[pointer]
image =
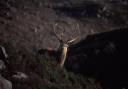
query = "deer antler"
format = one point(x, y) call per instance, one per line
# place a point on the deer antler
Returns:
point(54, 28)
point(72, 40)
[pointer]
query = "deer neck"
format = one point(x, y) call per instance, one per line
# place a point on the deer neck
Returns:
point(63, 55)
point(65, 49)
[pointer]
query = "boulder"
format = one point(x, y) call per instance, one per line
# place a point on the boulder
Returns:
point(4, 83)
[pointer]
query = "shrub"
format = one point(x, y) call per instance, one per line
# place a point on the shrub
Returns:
point(44, 73)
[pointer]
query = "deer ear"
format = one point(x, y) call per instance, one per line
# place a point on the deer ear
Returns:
point(69, 42)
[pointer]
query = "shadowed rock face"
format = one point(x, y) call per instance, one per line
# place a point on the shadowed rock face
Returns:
point(4, 83)
point(103, 56)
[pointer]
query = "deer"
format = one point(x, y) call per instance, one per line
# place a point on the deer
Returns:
point(64, 45)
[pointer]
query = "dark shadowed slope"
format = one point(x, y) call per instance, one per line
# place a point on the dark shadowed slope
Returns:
point(103, 56)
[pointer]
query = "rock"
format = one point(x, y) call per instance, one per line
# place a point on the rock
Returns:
point(109, 48)
point(20, 75)
point(4, 83)
point(3, 53)
point(2, 65)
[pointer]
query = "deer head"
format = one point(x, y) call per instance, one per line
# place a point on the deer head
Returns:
point(65, 44)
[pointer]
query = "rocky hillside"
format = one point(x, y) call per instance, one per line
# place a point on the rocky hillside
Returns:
point(30, 23)
point(26, 26)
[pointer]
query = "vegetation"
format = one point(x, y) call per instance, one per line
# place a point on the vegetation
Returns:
point(43, 72)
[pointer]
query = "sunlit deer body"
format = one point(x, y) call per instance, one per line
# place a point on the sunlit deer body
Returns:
point(64, 46)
